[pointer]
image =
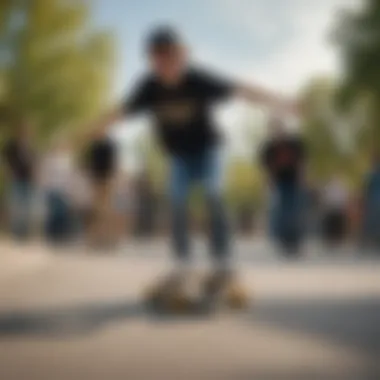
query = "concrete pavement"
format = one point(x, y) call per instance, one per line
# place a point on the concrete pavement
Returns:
point(72, 315)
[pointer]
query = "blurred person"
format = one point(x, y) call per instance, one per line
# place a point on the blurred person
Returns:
point(355, 215)
point(102, 167)
point(371, 206)
point(81, 196)
point(313, 209)
point(123, 203)
point(124, 190)
point(57, 181)
point(145, 206)
point(283, 158)
point(335, 200)
point(179, 94)
point(20, 161)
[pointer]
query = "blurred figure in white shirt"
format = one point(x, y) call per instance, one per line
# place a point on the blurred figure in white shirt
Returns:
point(335, 200)
point(56, 179)
point(81, 196)
point(123, 204)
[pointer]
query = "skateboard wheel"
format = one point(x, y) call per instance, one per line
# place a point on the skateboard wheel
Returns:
point(173, 303)
point(151, 294)
point(177, 303)
point(237, 299)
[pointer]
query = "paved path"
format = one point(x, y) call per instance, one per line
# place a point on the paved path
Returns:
point(78, 316)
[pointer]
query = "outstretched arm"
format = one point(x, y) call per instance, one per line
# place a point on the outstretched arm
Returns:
point(137, 101)
point(99, 127)
point(104, 122)
point(258, 95)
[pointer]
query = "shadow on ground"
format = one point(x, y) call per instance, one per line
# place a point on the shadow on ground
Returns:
point(84, 319)
point(353, 322)
point(66, 321)
point(369, 374)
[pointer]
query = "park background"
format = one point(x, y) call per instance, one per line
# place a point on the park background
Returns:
point(63, 63)
point(75, 313)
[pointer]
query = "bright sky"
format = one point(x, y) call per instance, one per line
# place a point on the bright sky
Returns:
point(280, 44)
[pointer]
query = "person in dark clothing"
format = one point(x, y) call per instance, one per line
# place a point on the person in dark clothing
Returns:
point(145, 206)
point(179, 95)
point(371, 206)
point(20, 164)
point(101, 167)
point(283, 158)
point(102, 159)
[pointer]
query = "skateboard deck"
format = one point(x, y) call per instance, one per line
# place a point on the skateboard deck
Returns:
point(195, 300)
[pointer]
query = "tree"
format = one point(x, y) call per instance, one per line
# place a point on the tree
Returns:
point(54, 69)
point(5, 6)
point(358, 37)
point(323, 152)
point(245, 183)
point(331, 134)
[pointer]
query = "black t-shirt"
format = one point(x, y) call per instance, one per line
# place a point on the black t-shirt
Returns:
point(182, 113)
point(20, 159)
point(102, 158)
point(284, 158)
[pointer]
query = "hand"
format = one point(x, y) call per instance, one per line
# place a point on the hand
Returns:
point(291, 108)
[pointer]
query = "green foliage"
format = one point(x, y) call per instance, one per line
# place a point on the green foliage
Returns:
point(244, 183)
point(358, 37)
point(324, 156)
point(327, 155)
point(155, 162)
point(55, 70)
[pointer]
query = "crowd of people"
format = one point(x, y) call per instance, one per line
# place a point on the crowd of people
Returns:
point(330, 211)
point(65, 195)
point(87, 198)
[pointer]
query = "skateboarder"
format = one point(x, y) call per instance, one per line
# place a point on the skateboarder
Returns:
point(179, 95)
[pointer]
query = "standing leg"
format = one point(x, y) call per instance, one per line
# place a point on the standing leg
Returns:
point(170, 292)
point(223, 284)
point(20, 209)
point(179, 190)
point(290, 217)
point(50, 221)
point(212, 178)
point(99, 229)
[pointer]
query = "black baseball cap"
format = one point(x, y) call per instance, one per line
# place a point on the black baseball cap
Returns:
point(162, 39)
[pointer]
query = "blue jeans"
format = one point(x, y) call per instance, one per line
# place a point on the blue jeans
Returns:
point(21, 196)
point(286, 222)
point(371, 220)
point(205, 168)
point(58, 226)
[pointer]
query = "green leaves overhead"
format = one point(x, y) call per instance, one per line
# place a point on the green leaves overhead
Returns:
point(57, 69)
point(358, 37)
